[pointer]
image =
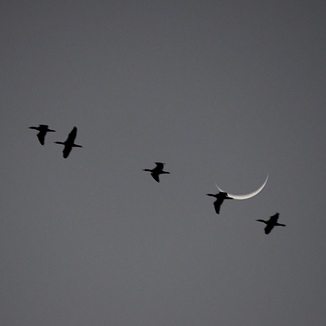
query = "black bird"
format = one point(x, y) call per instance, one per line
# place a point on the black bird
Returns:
point(157, 171)
point(219, 200)
point(42, 130)
point(271, 223)
point(69, 143)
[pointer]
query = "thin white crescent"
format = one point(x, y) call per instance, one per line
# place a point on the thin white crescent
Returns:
point(242, 197)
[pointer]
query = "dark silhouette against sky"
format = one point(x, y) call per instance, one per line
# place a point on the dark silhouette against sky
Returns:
point(42, 131)
point(157, 171)
point(224, 92)
point(69, 143)
point(224, 195)
point(271, 223)
point(219, 200)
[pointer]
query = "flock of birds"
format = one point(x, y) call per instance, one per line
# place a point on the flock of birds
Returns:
point(69, 143)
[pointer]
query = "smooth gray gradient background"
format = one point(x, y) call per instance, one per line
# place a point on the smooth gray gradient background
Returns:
point(221, 91)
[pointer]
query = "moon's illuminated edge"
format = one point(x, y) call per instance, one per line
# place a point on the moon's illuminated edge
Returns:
point(247, 196)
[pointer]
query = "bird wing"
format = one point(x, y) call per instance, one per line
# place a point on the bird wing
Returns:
point(155, 176)
point(72, 135)
point(217, 204)
point(41, 136)
point(268, 228)
point(66, 151)
point(159, 166)
point(274, 218)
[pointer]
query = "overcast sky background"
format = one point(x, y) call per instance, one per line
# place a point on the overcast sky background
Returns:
point(221, 91)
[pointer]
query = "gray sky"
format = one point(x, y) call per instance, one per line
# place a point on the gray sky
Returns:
point(221, 91)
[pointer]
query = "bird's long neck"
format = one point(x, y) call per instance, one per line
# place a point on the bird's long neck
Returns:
point(262, 221)
point(60, 142)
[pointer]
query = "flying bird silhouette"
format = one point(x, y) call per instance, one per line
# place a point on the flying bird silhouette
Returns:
point(271, 223)
point(42, 131)
point(155, 172)
point(219, 200)
point(226, 195)
point(69, 143)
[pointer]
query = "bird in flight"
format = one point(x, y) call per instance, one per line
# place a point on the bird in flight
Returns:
point(42, 131)
point(69, 143)
point(155, 172)
point(271, 223)
point(226, 195)
point(219, 200)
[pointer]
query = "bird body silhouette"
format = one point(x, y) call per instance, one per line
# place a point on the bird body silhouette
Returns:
point(271, 223)
point(155, 172)
point(42, 131)
point(219, 200)
point(69, 143)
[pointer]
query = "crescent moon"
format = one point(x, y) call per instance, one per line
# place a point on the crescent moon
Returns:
point(242, 197)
